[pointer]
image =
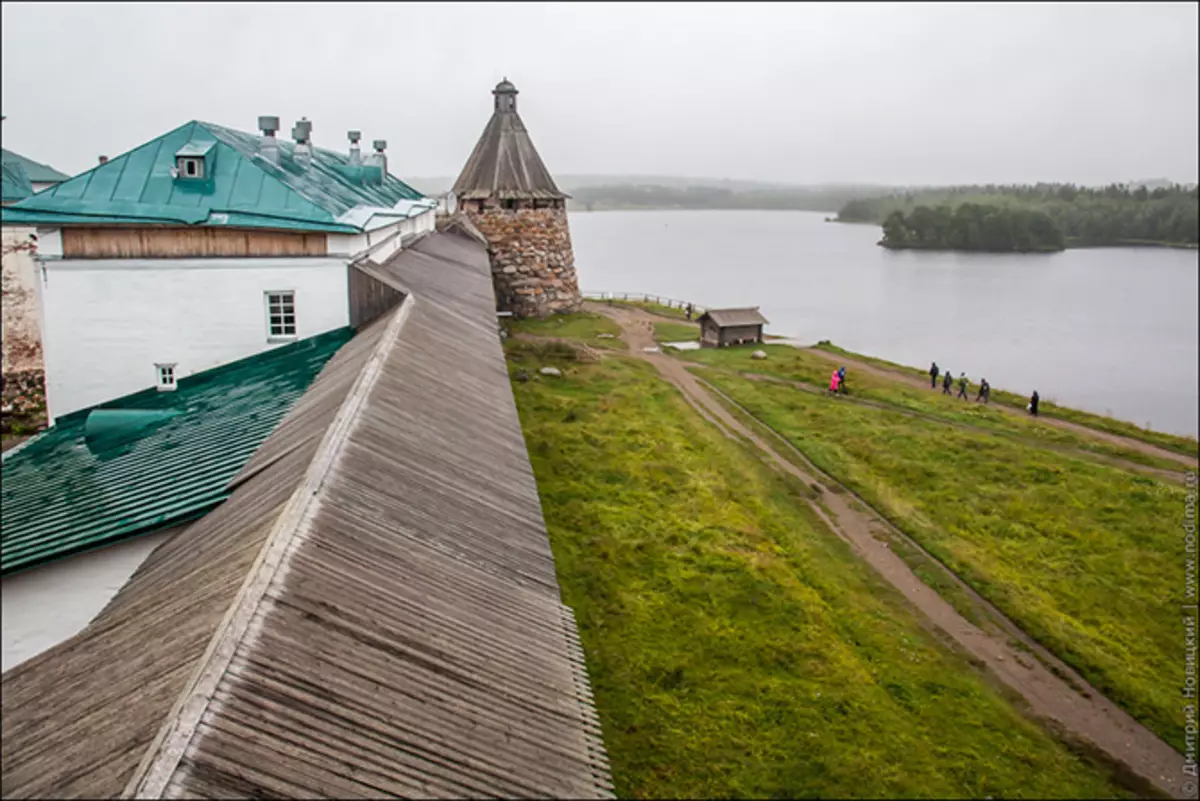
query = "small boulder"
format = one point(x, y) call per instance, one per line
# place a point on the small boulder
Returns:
point(521, 375)
point(758, 354)
point(553, 371)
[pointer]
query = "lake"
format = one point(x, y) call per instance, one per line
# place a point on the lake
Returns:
point(1110, 330)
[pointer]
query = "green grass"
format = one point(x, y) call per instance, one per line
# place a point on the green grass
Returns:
point(676, 332)
point(1085, 557)
point(795, 364)
point(735, 646)
point(1186, 446)
point(583, 326)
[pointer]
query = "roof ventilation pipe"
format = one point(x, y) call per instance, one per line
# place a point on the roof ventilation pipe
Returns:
point(379, 158)
point(104, 159)
point(268, 148)
point(302, 133)
point(355, 152)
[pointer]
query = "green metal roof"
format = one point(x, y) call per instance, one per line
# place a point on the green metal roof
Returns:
point(16, 185)
point(242, 190)
point(38, 173)
point(148, 460)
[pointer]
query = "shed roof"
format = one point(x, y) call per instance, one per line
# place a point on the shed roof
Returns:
point(504, 163)
point(748, 315)
point(374, 611)
point(75, 487)
point(38, 173)
point(242, 190)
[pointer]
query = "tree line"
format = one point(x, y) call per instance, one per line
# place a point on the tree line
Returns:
point(972, 226)
point(1085, 217)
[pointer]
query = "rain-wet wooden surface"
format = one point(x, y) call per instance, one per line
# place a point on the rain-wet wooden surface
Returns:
point(78, 718)
point(413, 641)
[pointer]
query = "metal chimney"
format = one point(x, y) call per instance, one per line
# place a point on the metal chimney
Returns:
point(104, 159)
point(355, 153)
point(268, 147)
point(379, 159)
point(302, 133)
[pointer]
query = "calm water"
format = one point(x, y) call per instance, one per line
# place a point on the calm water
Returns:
point(1112, 331)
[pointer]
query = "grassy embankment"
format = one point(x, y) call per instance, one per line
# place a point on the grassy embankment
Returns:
point(660, 309)
point(1075, 551)
point(1186, 446)
point(581, 326)
point(737, 647)
point(676, 332)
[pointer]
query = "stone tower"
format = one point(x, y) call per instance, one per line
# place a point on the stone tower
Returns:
point(508, 194)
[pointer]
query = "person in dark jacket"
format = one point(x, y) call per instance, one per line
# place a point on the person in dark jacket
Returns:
point(985, 391)
point(933, 374)
point(962, 386)
point(842, 380)
point(947, 380)
point(1033, 404)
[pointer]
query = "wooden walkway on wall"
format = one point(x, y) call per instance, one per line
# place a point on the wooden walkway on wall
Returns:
point(388, 624)
point(178, 242)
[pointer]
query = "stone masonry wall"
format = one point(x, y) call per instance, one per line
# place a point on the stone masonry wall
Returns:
point(23, 405)
point(533, 265)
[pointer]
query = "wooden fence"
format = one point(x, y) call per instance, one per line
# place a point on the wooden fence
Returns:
point(642, 297)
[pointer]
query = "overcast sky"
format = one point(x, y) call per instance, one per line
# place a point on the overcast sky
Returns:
point(806, 93)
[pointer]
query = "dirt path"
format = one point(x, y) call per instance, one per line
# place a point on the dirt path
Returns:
point(1104, 436)
point(1081, 713)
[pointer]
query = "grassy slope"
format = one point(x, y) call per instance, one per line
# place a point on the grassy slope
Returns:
point(1076, 552)
point(583, 326)
point(791, 363)
point(655, 308)
point(1184, 445)
point(676, 332)
point(736, 647)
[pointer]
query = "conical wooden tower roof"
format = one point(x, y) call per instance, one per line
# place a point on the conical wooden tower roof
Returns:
point(504, 164)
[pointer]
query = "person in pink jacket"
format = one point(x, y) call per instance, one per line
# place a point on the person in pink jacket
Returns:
point(834, 380)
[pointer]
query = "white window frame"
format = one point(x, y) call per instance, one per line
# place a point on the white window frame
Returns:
point(283, 335)
point(196, 162)
point(166, 370)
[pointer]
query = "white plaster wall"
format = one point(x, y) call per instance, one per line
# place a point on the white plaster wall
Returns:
point(45, 605)
point(106, 323)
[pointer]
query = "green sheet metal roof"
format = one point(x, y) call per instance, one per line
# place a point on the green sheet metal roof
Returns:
point(243, 189)
point(148, 460)
point(16, 185)
point(38, 173)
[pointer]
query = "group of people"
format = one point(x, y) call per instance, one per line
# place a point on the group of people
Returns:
point(985, 389)
point(837, 381)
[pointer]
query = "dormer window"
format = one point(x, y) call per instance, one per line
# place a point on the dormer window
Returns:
point(190, 167)
point(166, 376)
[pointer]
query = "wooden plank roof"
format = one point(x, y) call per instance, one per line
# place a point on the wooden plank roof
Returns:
point(392, 625)
point(741, 316)
point(505, 164)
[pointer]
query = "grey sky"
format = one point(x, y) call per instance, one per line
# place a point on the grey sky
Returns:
point(805, 93)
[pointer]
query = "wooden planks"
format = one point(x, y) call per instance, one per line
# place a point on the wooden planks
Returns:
point(168, 242)
point(78, 718)
point(369, 296)
point(413, 642)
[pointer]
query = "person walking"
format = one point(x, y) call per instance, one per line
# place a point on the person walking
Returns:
point(985, 391)
point(689, 312)
point(833, 382)
point(841, 373)
point(962, 386)
point(933, 374)
point(947, 380)
point(1033, 404)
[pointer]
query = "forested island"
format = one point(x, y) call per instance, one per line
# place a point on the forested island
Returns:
point(1032, 218)
point(972, 226)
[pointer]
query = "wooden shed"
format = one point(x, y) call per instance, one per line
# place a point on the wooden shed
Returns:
point(720, 328)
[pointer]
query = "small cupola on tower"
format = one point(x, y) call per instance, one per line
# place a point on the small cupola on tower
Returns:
point(505, 97)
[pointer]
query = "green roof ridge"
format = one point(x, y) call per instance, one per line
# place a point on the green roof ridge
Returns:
point(64, 494)
point(137, 186)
